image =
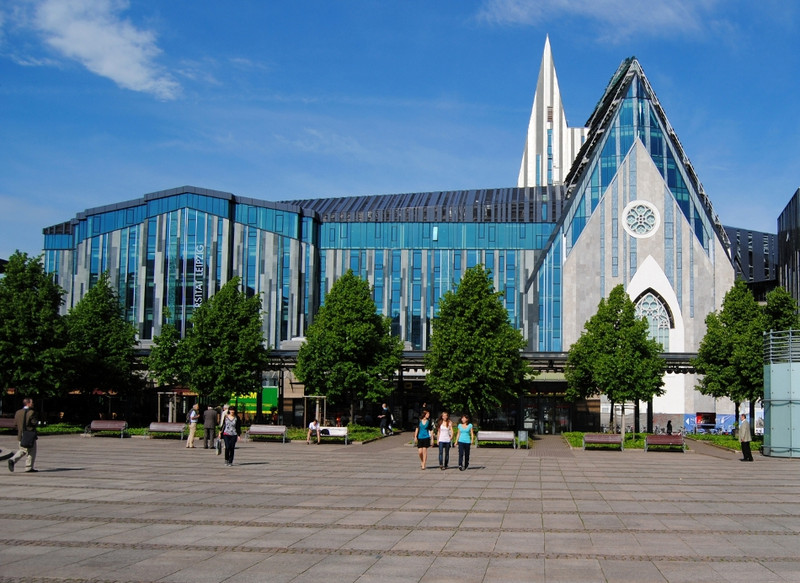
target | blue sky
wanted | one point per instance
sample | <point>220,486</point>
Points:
<point>105,100</point>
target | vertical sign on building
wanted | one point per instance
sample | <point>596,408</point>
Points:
<point>199,274</point>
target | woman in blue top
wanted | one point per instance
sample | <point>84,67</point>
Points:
<point>465,439</point>
<point>422,436</point>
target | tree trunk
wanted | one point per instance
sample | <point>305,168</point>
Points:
<point>611,419</point>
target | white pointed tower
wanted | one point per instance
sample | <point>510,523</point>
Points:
<point>551,146</point>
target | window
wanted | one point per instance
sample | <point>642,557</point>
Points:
<point>651,307</point>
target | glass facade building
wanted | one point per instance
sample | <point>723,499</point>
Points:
<point>615,202</point>
<point>170,250</point>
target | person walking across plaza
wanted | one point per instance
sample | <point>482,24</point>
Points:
<point>209,426</point>
<point>444,438</point>
<point>193,417</point>
<point>465,438</point>
<point>744,439</point>
<point>231,427</point>
<point>386,420</point>
<point>422,436</point>
<point>26,421</point>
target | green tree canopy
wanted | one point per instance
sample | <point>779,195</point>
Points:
<point>349,353</point>
<point>615,355</point>
<point>730,354</point>
<point>474,362</point>
<point>32,333</point>
<point>164,361</point>
<point>101,342</point>
<point>781,311</point>
<point>224,353</point>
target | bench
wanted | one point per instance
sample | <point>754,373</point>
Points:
<point>7,423</point>
<point>254,430</point>
<point>495,436</point>
<point>166,427</point>
<point>603,439</point>
<point>668,440</point>
<point>333,432</point>
<point>107,425</point>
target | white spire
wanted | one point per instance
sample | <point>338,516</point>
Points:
<point>551,146</point>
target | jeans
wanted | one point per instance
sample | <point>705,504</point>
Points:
<point>444,453</point>
<point>230,446</point>
<point>463,455</point>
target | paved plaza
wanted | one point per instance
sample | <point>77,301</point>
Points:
<point>110,509</point>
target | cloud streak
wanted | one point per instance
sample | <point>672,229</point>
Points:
<point>95,34</point>
<point>617,19</point>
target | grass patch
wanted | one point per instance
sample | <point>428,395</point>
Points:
<point>726,441</point>
<point>354,433</point>
<point>632,441</point>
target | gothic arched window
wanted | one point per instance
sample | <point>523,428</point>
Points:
<point>655,310</point>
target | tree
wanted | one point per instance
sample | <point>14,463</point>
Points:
<point>101,342</point>
<point>32,334</point>
<point>729,356</point>
<point>224,354</point>
<point>164,360</point>
<point>781,311</point>
<point>615,355</point>
<point>474,362</point>
<point>349,353</point>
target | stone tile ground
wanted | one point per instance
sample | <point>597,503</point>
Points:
<point>135,510</point>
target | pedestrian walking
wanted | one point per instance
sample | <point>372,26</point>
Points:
<point>386,420</point>
<point>422,436</point>
<point>229,432</point>
<point>465,438</point>
<point>209,426</point>
<point>744,439</point>
<point>26,422</point>
<point>444,438</point>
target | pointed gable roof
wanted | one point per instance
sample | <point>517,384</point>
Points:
<point>612,129</point>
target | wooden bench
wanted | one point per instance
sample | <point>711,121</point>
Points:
<point>333,432</point>
<point>107,425</point>
<point>7,423</point>
<point>603,439</point>
<point>166,427</point>
<point>495,436</point>
<point>254,430</point>
<point>676,440</point>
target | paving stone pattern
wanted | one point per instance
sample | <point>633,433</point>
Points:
<point>107,509</point>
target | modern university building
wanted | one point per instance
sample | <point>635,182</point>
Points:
<point>613,202</point>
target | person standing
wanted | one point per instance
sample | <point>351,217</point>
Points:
<point>26,422</point>
<point>744,439</point>
<point>422,436</point>
<point>444,438</point>
<point>465,438</point>
<point>193,418</point>
<point>231,427</point>
<point>669,427</point>
<point>209,425</point>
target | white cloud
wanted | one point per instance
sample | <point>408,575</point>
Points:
<point>94,33</point>
<point>618,19</point>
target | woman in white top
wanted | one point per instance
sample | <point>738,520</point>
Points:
<point>313,427</point>
<point>444,437</point>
